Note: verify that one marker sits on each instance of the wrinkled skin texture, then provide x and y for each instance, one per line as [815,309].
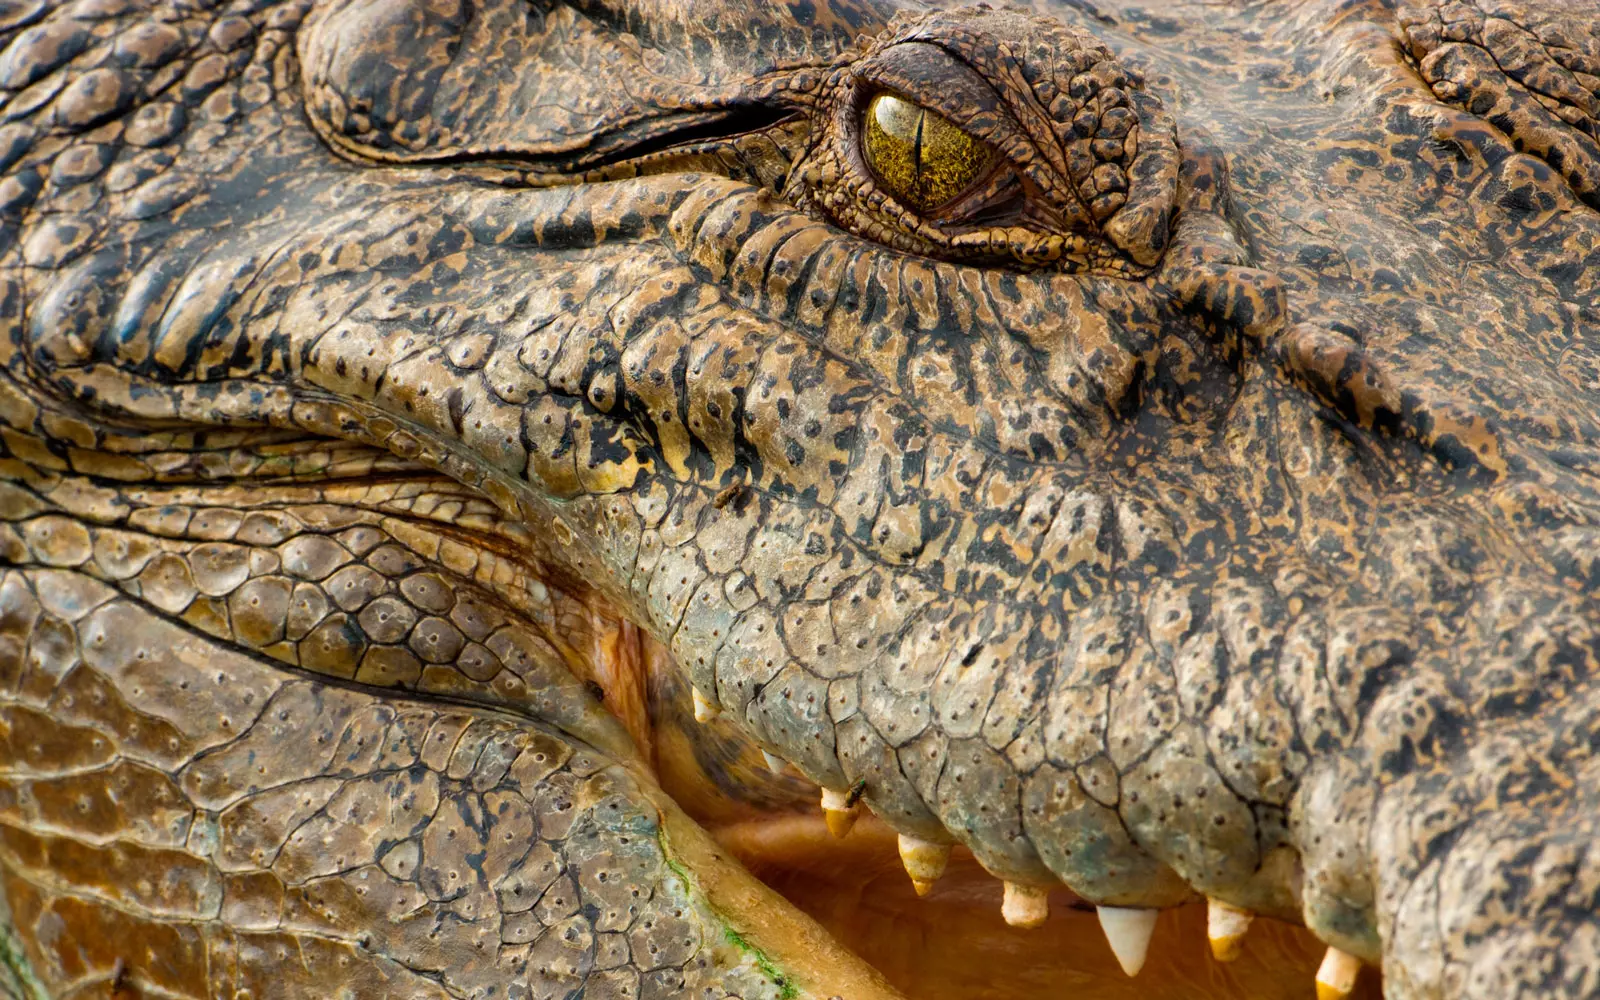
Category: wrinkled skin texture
[1224,524]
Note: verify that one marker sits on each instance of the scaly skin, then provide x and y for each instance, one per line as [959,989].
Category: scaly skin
[364,364]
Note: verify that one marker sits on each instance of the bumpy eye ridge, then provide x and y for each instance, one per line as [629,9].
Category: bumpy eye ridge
[921,158]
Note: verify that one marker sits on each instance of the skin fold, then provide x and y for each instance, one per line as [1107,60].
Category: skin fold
[413,415]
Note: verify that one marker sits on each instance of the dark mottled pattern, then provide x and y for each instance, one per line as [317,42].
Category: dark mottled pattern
[1245,542]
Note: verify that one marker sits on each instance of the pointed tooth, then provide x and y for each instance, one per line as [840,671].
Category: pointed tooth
[775,764]
[704,711]
[925,861]
[839,812]
[1336,979]
[1225,927]
[1128,932]
[1025,906]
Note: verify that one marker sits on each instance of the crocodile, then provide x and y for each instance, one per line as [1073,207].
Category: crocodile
[528,499]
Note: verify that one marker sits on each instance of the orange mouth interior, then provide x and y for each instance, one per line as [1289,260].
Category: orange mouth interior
[951,944]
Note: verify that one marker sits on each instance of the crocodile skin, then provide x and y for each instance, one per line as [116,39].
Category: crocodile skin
[1218,519]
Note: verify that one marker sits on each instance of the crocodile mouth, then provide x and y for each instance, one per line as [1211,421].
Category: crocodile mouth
[951,941]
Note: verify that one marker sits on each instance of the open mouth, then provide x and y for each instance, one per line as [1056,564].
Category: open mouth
[948,941]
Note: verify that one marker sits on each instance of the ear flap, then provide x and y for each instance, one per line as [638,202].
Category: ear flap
[556,86]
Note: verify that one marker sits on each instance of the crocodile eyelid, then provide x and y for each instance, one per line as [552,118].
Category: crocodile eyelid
[1080,178]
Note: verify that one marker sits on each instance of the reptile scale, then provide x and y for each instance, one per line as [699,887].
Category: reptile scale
[641,500]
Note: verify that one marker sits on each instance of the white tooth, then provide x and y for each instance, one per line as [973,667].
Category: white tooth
[775,764]
[1225,927]
[1336,979]
[1128,931]
[704,711]
[1025,906]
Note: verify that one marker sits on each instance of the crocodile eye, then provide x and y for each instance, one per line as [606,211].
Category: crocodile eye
[922,159]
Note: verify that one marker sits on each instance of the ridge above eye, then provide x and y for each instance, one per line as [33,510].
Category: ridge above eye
[919,156]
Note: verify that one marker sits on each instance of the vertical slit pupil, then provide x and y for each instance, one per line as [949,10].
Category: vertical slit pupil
[916,154]
[922,159]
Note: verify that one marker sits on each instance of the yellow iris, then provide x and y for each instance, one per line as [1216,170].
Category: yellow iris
[920,157]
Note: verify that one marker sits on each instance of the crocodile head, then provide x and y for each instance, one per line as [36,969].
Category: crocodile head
[473,475]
